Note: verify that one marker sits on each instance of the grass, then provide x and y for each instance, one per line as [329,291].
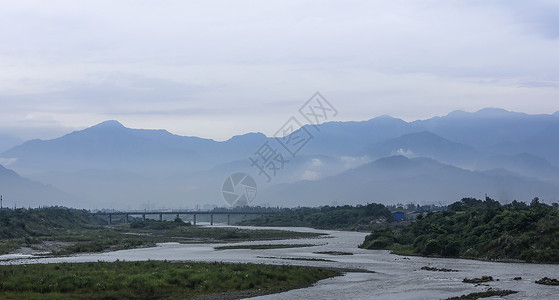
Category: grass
[296,258]
[146,234]
[150,279]
[10,245]
[548,281]
[234,234]
[427,268]
[333,252]
[261,247]
[486,294]
[403,250]
[478,280]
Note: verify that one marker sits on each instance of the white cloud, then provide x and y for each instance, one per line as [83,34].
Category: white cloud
[198,67]
[350,162]
[315,162]
[404,152]
[7,161]
[310,175]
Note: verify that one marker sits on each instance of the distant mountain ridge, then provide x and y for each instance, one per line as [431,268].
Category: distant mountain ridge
[8,141]
[111,145]
[423,143]
[489,128]
[19,190]
[131,167]
[417,180]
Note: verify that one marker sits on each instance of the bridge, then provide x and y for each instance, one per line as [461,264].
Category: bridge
[178,213]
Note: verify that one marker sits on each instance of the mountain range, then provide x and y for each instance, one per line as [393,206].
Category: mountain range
[22,192]
[507,155]
[417,180]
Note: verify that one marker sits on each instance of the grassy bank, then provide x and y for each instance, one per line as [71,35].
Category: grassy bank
[263,247]
[129,236]
[150,280]
[64,231]
[345,217]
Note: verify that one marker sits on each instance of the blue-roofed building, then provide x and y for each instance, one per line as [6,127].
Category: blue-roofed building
[398,215]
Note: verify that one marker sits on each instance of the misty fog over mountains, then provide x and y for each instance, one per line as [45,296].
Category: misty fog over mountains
[507,155]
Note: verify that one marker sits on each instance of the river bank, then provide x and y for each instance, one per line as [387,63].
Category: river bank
[392,276]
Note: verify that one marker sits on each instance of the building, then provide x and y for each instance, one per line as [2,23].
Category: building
[398,215]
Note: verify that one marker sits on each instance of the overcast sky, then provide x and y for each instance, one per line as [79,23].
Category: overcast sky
[221,68]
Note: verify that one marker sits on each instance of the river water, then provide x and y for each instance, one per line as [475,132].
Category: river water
[394,277]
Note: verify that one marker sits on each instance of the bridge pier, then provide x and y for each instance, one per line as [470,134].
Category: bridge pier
[110,219]
[177,217]
[194,219]
[143,217]
[211,219]
[228,219]
[160,217]
[126,219]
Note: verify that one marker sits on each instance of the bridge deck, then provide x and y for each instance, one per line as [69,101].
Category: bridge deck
[187,213]
[177,213]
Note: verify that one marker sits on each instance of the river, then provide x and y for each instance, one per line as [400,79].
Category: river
[394,277]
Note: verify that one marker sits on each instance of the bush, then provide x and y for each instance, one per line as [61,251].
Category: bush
[479,229]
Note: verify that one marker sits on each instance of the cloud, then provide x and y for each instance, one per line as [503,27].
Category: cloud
[350,162]
[315,162]
[310,175]
[7,161]
[197,68]
[406,152]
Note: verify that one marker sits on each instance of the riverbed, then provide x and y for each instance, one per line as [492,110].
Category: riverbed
[384,276]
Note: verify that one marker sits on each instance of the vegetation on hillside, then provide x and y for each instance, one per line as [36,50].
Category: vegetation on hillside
[43,221]
[151,280]
[158,225]
[473,228]
[63,231]
[326,217]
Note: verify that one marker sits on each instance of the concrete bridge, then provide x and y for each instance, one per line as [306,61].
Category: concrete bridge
[178,213]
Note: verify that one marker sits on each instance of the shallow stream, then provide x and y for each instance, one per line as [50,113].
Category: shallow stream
[395,277]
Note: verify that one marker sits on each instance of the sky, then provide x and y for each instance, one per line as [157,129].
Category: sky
[216,69]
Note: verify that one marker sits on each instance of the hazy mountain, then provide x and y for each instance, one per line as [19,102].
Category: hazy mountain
[348,138]
[423,144]
[489,131]
[523,164]
[118,188]
[111,165]
[427,144]
[400,179]
[7,142]
[110,145]
[24,192]
[544,143]
[487,128]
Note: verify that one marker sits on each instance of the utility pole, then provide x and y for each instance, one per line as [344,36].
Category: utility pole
[0,203]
